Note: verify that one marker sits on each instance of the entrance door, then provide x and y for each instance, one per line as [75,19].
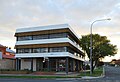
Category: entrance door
[39,65]
[61,64]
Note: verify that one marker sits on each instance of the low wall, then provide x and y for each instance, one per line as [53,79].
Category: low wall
[7,64]
[15,72]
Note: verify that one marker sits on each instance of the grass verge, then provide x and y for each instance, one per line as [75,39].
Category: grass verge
[97,72]
[38,77]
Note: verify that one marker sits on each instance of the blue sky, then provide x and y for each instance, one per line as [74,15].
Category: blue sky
[79,14]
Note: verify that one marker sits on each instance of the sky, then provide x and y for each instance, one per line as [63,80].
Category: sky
[79,14]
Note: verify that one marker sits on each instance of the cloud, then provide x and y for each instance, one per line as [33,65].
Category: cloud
[78,13]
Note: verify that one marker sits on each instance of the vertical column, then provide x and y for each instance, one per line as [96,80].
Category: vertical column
[57,68]
[72,65]
[76,63]
[66,67]
[82,67]
[32,64]
[17,64]
[48,64]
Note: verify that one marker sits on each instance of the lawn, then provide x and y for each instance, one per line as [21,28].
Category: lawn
[38,77]
[96,72]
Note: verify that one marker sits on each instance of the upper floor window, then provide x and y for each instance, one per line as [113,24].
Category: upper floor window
[58,49]
[27,50]
[24,50]
[70,50]
[44,36]
[24,38]
[43,50]
[40,50]
[40,37]
[36,50]
[20,50]
[58,35]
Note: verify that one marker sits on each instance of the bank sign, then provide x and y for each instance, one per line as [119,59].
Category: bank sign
[0,55]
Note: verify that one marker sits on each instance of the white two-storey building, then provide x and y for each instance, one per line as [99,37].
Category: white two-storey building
[48,48]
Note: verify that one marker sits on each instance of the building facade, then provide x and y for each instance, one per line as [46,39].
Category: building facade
[48,48]
[7,58]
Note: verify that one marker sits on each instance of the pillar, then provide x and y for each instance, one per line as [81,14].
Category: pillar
[32,64]
[77,65]
[76,62]
[66,65]
[17,64]
[56,64]
[48,67]
[72,65]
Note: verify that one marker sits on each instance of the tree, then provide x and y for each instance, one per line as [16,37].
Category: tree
[101,47]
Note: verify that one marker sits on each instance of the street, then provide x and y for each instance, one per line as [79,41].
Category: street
[112,74]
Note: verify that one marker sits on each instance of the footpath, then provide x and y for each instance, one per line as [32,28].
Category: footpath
[56,75]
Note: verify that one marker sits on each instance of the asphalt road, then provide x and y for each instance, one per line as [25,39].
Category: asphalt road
[112,74]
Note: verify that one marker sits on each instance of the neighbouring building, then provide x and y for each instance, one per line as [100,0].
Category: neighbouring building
[48,48]
[115,62]
[7,58]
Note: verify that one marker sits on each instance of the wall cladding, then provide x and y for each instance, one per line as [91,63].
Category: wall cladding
[7,64]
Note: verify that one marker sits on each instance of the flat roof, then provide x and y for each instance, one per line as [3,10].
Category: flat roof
[48,27]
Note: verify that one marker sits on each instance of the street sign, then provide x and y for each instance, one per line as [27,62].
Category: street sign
[0,55]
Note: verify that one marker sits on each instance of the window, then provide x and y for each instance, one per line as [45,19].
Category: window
[70,50]
[28,37]
[58,35]
[40,50]
[20,50]
[43,50]
[25,50]
[40,37]
[36,50]
[44,36]
[19,38]
[58,49]
[24,38]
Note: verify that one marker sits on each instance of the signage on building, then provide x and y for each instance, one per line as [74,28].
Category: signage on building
[0,55]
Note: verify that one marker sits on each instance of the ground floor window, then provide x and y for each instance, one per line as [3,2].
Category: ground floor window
[62,64]
[58,64]
[52,64]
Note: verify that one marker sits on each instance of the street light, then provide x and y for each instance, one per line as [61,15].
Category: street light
[91,41]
